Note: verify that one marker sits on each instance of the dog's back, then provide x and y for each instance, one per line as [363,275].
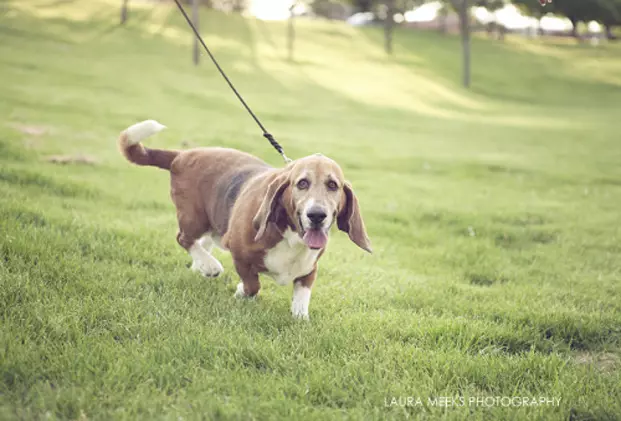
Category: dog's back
[206,182]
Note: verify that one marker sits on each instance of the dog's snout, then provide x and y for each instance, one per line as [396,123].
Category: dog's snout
[316,215]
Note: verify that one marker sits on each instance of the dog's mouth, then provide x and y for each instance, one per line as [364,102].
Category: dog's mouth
[315,238]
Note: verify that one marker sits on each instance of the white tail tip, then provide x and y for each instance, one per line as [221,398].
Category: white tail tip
[140,131]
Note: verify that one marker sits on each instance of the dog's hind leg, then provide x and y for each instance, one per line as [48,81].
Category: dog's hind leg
[209,240]
[202,260]
[192,237]
[194,226]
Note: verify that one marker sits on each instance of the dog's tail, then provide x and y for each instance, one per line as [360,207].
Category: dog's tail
[134,151]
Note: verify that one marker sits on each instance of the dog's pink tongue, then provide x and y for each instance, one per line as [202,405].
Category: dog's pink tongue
[315,239]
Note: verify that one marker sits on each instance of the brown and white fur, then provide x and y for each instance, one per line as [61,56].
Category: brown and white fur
[272,220]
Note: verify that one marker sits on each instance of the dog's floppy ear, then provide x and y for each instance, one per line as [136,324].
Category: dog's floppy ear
[269,204]
[350,220]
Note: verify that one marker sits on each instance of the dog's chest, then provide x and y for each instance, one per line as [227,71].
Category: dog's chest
[290,259]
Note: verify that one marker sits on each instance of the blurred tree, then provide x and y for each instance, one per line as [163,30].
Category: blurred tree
[372,5]
[575,11]
[492,6]
[533,7]
[462,7]
[389,25]
[205,3]
[443,17]
[238,5]
[124,11]
[463,11]
[363,5]
[386,10]
[330,9]
[291,31]
[227,5]
[606,12]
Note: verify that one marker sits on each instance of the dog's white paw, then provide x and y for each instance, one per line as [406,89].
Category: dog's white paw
[300,302]
[209,268]
[240,293]
[204,263]
[300,314]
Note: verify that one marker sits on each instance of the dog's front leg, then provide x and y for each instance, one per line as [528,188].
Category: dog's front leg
[301,295]
[250,285]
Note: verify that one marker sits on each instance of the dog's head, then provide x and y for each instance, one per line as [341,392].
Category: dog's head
[312,194]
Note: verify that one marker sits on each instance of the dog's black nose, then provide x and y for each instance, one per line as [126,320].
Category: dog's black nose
[316,216]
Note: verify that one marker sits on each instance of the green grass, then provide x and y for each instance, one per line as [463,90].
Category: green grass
[494,217]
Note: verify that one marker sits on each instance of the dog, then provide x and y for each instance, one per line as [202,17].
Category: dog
[272,220]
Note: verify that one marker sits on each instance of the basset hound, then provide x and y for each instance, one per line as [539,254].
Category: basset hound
[272,220]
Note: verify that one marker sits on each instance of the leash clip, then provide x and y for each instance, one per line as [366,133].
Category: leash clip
[276,146]
[286,158]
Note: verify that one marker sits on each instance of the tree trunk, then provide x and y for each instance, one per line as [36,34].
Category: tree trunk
[609,35]
[238,6]
[195,21]
[442,19]
[124,12]
[502,32]
[574,27]
[464,23]
[489,28]
[389,24]
[291,32]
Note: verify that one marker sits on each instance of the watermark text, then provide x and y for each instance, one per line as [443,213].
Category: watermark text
[472,401]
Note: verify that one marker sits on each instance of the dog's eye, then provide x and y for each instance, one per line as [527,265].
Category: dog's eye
[303,184]
[332,185]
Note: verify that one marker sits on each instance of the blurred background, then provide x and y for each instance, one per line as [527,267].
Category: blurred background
[590,21]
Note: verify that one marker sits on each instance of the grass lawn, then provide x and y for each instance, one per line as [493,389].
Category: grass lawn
[493,213]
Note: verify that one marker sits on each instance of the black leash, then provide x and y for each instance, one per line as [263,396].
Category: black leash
[266,134]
